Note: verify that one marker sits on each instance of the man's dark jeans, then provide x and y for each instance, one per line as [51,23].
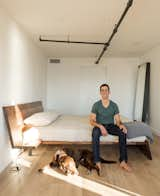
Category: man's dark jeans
[113,130]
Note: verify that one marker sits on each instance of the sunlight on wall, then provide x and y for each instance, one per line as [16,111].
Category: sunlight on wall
[16,65]
[13,102]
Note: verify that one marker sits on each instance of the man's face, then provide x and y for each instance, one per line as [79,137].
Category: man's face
[104,92]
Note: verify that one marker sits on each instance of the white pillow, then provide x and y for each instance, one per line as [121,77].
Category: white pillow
[42,118]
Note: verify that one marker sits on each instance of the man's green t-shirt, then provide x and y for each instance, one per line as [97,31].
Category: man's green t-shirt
[105,115]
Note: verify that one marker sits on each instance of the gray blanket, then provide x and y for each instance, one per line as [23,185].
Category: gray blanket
[136,129]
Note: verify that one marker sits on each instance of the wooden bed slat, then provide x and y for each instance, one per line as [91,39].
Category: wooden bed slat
[88,142]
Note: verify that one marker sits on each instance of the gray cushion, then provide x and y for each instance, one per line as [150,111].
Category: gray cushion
[136,129]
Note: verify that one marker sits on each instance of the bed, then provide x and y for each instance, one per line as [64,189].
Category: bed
[74,128]
[66,129]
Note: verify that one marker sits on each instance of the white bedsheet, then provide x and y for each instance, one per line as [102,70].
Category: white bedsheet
[77,129]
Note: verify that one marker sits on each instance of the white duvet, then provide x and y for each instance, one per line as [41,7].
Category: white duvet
[74,128]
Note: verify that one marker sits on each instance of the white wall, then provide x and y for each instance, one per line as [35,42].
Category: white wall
[154,58]
[22,74]
[73,85]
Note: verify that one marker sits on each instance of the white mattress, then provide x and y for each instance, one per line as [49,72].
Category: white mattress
[74,128]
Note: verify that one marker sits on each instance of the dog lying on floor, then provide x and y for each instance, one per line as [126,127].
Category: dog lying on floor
[64,162]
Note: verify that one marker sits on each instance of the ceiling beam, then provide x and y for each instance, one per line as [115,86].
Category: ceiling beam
[68,41]
[107,44]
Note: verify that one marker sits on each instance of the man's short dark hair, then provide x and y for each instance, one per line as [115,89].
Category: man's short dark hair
[102,85]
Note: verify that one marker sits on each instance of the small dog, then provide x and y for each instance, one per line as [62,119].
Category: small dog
[87,160]
[63,161]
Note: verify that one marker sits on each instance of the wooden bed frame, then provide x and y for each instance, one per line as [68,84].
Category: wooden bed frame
[14,116]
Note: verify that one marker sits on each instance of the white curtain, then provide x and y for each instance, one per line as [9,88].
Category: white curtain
[139,95]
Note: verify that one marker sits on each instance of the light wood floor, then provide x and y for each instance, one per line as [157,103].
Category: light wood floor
[144,180]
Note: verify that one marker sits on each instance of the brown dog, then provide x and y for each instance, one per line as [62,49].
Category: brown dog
[63,161]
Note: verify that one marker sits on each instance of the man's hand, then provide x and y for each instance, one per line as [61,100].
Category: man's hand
[95,124]
[119,123]
[103,130]
[124,129]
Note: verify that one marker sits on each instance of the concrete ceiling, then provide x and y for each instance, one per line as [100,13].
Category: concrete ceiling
[89,20]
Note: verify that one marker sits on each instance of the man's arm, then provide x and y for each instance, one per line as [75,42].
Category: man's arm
[119,123]
[95,124]
[93,120]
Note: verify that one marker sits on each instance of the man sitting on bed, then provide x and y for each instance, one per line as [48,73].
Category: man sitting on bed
[102,118]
